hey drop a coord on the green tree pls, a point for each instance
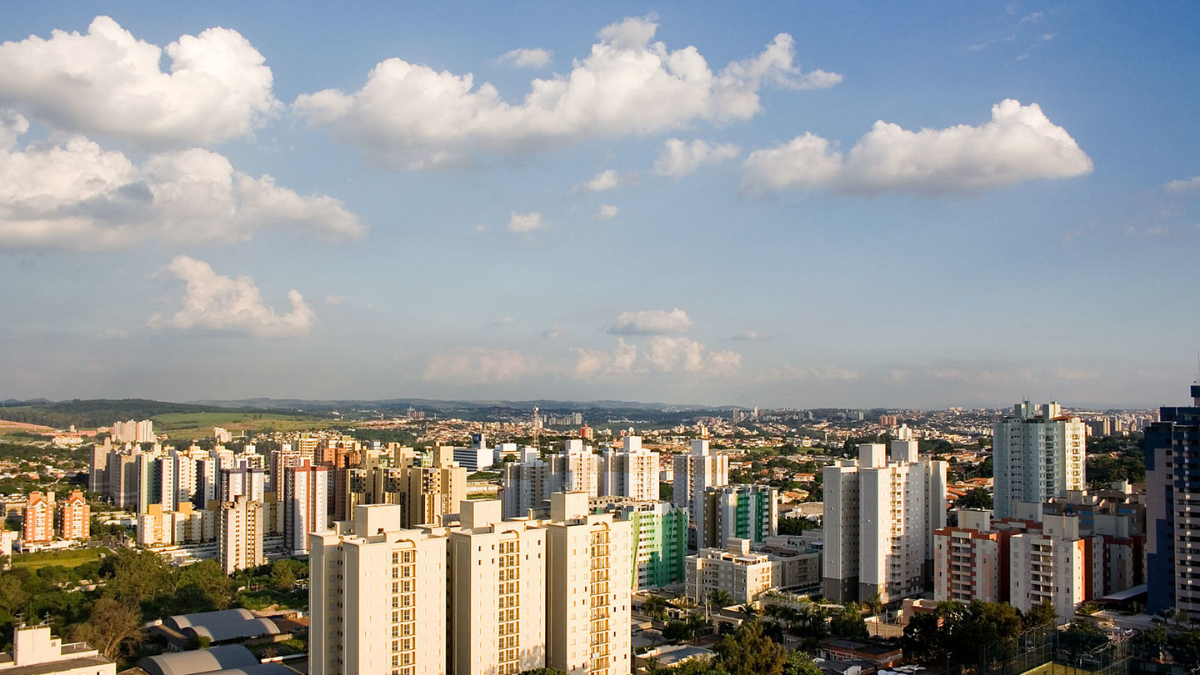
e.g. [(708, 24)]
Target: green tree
[(849, 623), (1041, 615), (12, 596), (655, 607), (979, 498), (283, 577), (747, 651), (720, 598), (112, 624), (798, 663), (139, 576)]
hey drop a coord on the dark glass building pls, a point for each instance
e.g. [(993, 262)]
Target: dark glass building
[(1173, 509)]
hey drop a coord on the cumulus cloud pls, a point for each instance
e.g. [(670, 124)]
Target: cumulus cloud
[(484, 366), (527, 58), (1182, 186), (593, 363), (526, 223), (651, 322), (1018, 144), (609, 179), (607, 212), (78, 195), (413, 116), (107, 82), (679, 158), (662, 355), (214, 302)]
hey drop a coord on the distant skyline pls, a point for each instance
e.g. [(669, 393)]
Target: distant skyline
[(776, 204)]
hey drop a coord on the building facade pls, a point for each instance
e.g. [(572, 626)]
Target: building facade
[(1172, 491), (74, 517), (1037, 454), (240, 534), (694, 473)]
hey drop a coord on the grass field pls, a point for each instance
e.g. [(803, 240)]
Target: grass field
[(67, 558), (183, 426)]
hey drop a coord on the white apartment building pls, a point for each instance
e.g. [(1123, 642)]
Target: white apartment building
[(588, 589), (577, 469), (892, 506), (1037, 455), (526, 484), (157, 527), (497, 592), (631, 471), (378, 597), (240, 534), (736, 569), (695, 472), (1055, 565)]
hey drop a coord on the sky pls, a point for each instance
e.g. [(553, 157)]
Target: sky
[(791, 204)]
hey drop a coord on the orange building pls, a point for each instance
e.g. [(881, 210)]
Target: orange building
[(39, 519), (74, 517)]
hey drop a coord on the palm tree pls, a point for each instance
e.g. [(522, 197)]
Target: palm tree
[(720, 597), (749, 610), (655, 607)]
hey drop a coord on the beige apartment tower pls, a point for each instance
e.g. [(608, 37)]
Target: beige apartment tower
[(497, 592), (378, 597), (588, 589), (240, 534)]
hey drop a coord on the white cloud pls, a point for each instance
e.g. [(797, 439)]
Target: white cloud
[(413, 116), (507, 321), (609, 179), (1032, 18), (1018, 144), (607, 212), (229, 304), (1182, 186), (554, 332), (114, 334), (663, 355), (527, 58), (750, 336), (109, 83), (484, 366), (78, 195), (679, 158), (651, 322), (593, 363), (334, 299), (526, 223)]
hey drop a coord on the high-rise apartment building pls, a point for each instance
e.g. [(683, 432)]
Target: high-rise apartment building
[(306, 504), (241, 481), (1055, 565), (880, 516), (1037, 454), (631, 471), (588, 589), (694, 473), (659, 532), (497, 587), (240, 534), (168, 528), (378, 597), (577, 469), (970, 561), (1172, 492), (38, 525), (74, 516), (526, 484), (748, 512)]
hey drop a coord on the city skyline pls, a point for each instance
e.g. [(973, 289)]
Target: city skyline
[(784, 205)]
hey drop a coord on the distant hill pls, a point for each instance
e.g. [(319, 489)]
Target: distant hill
[(95, 412), (431, 404)]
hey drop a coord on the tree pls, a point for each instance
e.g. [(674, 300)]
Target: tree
[(1041, 615), (849, 623), (747, 651), (720, 598), (1080, 638), (979, 498), (112, 624), (283, 578), (655, 607), (12, 596), (798, 663), (139, 576)]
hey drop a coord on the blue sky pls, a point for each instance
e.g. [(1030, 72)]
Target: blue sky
[(775, 204)]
